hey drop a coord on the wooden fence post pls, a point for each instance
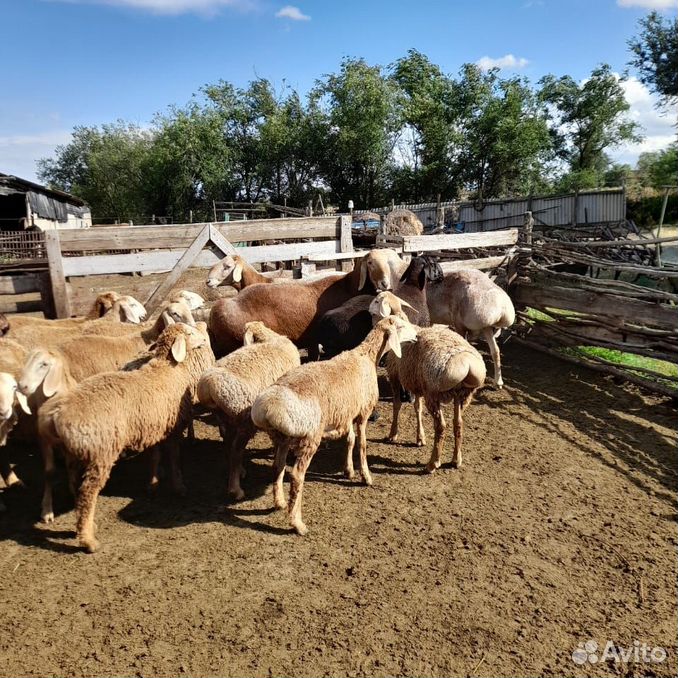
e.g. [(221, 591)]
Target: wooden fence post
[(525, 247), (345, 241), (62, 302)]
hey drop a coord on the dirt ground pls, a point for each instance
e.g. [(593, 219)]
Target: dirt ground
[(559, 529)]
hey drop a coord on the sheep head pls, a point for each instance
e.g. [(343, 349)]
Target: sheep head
[(193, 300), (228, 270), (386, 304), (382, 266), (44, 368), (180, 339), (128, 310), (397, 332), (103, 304), (257, 332), (9, 394), (177, 312)]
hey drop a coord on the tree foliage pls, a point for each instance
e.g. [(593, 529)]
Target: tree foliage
[(655, 55)]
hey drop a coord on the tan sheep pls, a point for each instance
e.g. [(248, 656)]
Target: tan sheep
[(324, 400), (440, 367), (109, 413), (231, 386), (235, 271)]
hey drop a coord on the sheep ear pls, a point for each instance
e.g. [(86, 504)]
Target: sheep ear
[(248, 338), (404, 303), (363, 275), (23, 403), (421, 280), (179, 348), (237, 273), (53, 380), (384, 308), (394, 343), (128, 314), (167, 319)]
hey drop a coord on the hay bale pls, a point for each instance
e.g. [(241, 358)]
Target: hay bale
[(402, 222), (365, 217)]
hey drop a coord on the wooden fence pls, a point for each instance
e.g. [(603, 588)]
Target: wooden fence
[(581, 302)]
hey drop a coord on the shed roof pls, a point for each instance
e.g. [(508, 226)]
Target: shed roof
[(12, 184)]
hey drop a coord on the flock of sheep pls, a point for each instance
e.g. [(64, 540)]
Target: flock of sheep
[(98, 387)]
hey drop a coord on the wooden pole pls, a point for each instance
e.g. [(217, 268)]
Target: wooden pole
[(439, 214), (190, 216), (658, 248), (214, 210), (62, 303)]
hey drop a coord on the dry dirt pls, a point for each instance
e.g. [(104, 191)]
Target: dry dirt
[(560, 528)]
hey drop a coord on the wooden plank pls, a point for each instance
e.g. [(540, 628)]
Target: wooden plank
[(20, 284), (8, 305), (62, 306), (483, 264), (597, 303), (338, 256), (611, 243), (181, 235), (218, 239), (426, 243), (165, 260), (186, 259)]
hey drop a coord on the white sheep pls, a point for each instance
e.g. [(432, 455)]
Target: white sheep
[(231, 386), (95, 422), (323, 400), (470, 303)]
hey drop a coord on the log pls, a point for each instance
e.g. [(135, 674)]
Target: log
[(596, 303)]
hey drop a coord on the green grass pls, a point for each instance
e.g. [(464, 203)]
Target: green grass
[(628, 360)]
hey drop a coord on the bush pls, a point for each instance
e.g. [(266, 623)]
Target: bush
[(646, 211)]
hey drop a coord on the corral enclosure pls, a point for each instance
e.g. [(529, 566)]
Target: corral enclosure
[(560, 528)]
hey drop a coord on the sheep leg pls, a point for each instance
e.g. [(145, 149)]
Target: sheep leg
[(47, 511), (458, 433), (439, 436), (177, 479), (279, 464), (488, 335), (238, 445), (419, 409), (93, 481), (397, 404), (362, 433), (154, 482), (349, 471), (305, 450)]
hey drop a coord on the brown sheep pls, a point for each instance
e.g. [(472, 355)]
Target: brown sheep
[(235, 271), (109, 413), (293, 308)]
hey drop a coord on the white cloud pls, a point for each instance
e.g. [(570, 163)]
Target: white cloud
[(659, 126), (293, 13), (19, 153), (649, 4), (508, 61), (169, 7)]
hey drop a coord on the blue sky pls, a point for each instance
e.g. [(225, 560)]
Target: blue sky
[(71, 62)]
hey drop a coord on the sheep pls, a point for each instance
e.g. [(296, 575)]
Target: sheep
[(235, 271), (293, 308), (111, 336), (231, 386), (11, 400), (95, 422), (469, 302), (108, 305), (440, 367), (323, 400), (344, 327)]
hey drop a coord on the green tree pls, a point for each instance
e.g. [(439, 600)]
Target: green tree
[(105, 166), (361, 125), (429, 116), (655, 55), (587, 119), (505, 138), (659, 168)]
